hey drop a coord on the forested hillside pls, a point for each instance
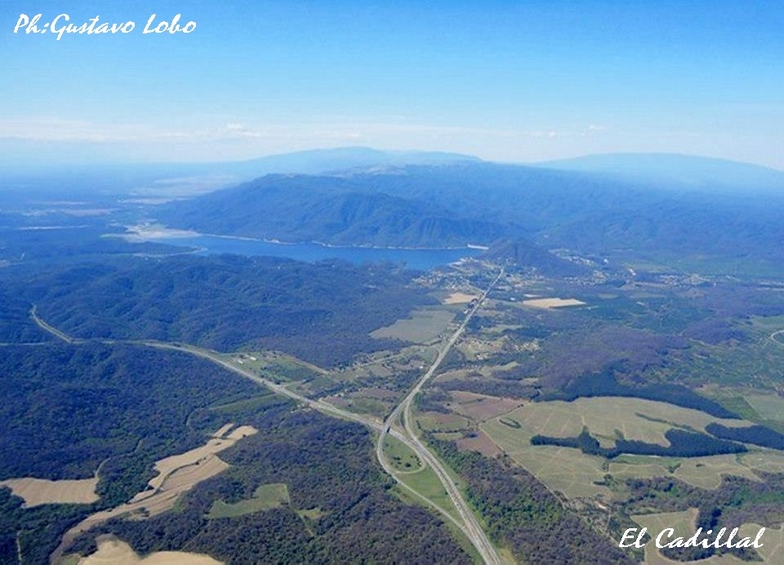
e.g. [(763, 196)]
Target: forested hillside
[(320, 312)]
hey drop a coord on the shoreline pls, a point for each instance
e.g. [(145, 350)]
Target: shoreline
[(139, 234)]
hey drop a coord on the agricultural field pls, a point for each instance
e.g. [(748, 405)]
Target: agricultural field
[(442, 423), (562, 469), (422, 326), (480, 442), (305, 484), (171, 468), (680, 352), (684, 524), (460, 298), (175, 476), (611, 418), (481, 407), (114, 551), (773, 549), (577, 474), (703, 472), (552, 302), (768, 406), (522, 346), (41, 491)]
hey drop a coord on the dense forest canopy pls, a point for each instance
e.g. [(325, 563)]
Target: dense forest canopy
[(321, 312)]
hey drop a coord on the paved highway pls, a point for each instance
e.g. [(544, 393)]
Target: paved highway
[(402, 411), (468, 523)]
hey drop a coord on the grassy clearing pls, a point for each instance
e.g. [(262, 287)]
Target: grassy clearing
[(566, 470), (425, 324), (400, 456), (644, 468), (448, 436), (768, 406), (702, 472), (254, 403), (276, 366), (426, 483), (371, 406), (764, 460), (681, 522), (312, 513), (737, 404), (435, 422), (265, 497)]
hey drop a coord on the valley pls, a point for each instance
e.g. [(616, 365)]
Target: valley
[(527, 402), (392, 283)]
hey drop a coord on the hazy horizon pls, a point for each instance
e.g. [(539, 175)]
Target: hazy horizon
[(512, 82)]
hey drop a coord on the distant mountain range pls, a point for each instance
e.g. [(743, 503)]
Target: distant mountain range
[(461, 201), (678, 171), (317, 161), (666, 208)]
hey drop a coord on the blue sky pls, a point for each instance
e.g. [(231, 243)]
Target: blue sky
[(514, 81)]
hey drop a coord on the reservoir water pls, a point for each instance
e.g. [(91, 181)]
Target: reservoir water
[(423, 259)]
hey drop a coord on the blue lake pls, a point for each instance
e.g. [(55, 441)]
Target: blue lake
[(423, 259)]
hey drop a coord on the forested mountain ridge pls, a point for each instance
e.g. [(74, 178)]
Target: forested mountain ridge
[(328, 209), (479, 203)]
